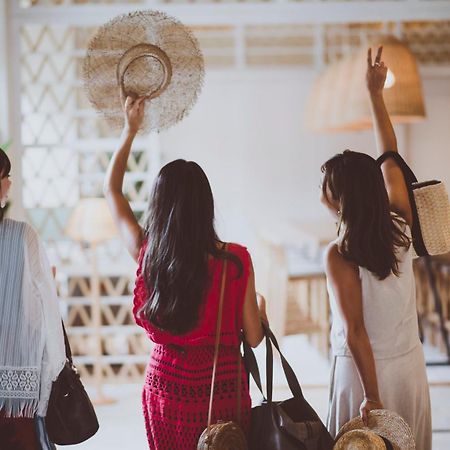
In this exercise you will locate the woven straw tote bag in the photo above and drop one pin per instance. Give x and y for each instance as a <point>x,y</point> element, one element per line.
<point>223,435</point>
<point>431,211</point>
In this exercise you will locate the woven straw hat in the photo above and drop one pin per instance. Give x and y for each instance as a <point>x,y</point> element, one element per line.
<point>144,53</point>
<point>382,424</point>
<point>360,440</point>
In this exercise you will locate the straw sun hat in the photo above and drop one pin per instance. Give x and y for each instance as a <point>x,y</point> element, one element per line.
<point>386,431</point>
<point>144,53</point>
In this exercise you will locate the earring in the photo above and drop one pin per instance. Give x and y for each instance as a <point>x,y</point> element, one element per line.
<point>339,222</point>
<point>2,203</point>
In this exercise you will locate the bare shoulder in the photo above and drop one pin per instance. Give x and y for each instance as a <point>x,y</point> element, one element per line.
<point>336,265</point>
<point>332,256</point>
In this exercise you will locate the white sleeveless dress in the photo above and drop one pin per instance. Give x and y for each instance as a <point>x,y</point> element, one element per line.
<point>390,317</point>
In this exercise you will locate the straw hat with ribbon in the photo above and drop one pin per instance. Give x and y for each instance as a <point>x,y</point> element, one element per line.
<point>386,431</point>
<point>144,53</point>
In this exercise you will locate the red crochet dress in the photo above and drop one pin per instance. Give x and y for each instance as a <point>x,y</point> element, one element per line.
<point>177,387</point>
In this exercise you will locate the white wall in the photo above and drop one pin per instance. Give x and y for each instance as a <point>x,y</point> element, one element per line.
<point>247,133</point>
<point>429,141</point>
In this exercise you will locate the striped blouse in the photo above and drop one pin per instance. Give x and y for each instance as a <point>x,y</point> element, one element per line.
<point>31,340</point>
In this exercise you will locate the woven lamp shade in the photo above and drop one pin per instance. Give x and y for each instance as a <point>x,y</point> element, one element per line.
<point>339,100</point>
<point>91,222</point>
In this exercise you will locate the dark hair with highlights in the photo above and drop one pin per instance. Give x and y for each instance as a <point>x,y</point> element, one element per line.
<point>369,233</point>
<point>5,168</point>
<point>181,239</point>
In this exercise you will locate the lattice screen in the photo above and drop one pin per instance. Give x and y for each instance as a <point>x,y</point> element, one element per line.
<point>429,41</point>
<point>67,146</point>
<point>66,149</point>
<point>125,347</point>
<point>280,45</point>
<point>297,46</point>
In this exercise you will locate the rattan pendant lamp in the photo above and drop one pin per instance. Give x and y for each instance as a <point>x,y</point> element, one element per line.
<point>339,100</point>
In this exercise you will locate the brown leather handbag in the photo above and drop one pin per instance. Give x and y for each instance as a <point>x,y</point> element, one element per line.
<point>288,425</point>
<point>223,435</point>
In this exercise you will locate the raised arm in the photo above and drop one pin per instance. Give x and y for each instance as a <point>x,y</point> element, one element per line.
<point>346,286</point>
<point>129,228</point>
<point>385,137</point>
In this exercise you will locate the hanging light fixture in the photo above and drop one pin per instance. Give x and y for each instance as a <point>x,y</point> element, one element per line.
<point>339,100</point>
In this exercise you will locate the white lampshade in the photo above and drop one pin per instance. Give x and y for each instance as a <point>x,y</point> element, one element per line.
<point>91,222</point>
<point>339,100</point>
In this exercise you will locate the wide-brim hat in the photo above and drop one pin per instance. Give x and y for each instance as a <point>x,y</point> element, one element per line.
<point>382,424</point>
<point>144,53</point>
<point>362,440</point>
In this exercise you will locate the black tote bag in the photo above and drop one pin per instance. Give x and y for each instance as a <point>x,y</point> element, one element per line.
<point>288,425</point>
<point>71,418</point>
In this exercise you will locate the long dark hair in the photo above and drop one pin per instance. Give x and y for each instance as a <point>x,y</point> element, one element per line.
<point>5,168</point>
<point>369,233</point>
<point>181,238</point>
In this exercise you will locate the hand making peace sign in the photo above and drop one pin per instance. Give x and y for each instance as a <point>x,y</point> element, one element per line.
<point>376,72</point>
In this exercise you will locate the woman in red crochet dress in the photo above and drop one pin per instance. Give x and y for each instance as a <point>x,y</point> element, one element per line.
<point>180,261</point>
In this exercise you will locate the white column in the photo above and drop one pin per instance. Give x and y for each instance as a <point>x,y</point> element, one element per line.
<point>4,94</point>
<point>10,116</point>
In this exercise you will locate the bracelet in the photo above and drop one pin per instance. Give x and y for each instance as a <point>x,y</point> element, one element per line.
<point>370,400</point>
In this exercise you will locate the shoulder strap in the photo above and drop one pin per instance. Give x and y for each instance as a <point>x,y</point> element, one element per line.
<point>217,342</point>
<point>410,178</point>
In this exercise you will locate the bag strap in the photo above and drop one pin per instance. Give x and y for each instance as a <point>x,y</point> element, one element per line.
<point>239,373</point>
<point>217,341</point>
<point>67,345</point>
<point>410,178</point>
<point>289,373</point>
<point>252,367</point>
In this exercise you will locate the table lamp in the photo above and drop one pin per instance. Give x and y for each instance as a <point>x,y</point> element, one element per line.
<point>91,223</point>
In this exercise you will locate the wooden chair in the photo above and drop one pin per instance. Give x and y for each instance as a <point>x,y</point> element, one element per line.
<point>433,302</point>
<point>297,300</point>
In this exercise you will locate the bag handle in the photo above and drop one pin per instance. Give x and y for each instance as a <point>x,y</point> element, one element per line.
<point>67,345</point>
<point>410,178</point>
<point>289,373</point>
<point>217,341</point>
<point>253,369</point>
<point>251,366</point>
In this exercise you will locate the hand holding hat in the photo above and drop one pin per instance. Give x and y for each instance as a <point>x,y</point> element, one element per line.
<point>386,430</point>
<point>134,110</point>
<point>368,405</point>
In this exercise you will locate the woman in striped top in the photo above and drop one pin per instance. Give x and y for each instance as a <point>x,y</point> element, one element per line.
<point>31,339</point>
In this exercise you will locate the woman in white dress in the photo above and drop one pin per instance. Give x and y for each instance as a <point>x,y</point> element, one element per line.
<point>377,353</point>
